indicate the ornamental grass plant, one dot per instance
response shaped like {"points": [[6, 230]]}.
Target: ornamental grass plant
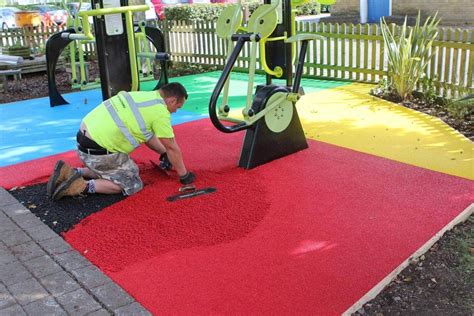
{"points": [[409, 53]]}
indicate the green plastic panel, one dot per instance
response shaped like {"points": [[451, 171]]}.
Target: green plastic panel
{"points": [[280, 116]]}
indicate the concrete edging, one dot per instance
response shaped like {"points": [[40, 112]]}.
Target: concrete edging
{"points": [[422, 250], [40, 273]]}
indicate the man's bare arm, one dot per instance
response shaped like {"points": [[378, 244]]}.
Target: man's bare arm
{"points": [[154, 144], [174, 155]]}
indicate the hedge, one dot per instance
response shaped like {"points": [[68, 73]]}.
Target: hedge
{"points": [[194, 12]]}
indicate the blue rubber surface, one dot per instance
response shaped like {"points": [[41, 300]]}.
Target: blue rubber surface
{"points": [[32, 129]]}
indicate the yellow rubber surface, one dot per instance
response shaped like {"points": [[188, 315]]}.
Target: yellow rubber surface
{"points": [[348, 116]]}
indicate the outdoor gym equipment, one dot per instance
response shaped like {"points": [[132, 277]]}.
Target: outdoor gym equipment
{"points": [[79, 67], [272, 125], [79, 79], [118, 62]]}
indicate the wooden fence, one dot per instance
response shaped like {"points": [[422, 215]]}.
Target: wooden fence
{"points": [[35, 38], [348, 52]]}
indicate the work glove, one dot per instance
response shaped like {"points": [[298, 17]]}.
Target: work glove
{"points": [[165, 163], [188, 178]]}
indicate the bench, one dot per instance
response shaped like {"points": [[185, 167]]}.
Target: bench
{"points": [[9, 66]]}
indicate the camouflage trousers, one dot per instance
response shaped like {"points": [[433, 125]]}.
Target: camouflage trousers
{"points": [[116, 167]]}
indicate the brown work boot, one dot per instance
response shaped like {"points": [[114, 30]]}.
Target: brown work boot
{"points": [[61, 172], [72, 186]]}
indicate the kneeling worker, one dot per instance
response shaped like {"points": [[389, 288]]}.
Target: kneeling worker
{"points": [[110, 132]]}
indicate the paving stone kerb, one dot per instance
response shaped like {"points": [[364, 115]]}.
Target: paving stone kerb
{"points": [[41, 273]]}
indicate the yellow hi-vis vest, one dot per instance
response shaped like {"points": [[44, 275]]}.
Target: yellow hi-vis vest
{"points": [[123, 122]]}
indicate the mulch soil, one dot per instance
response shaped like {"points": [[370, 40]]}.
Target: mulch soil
{"points": [[438, 283], [33, 85], [465, 127], [61, 215]]}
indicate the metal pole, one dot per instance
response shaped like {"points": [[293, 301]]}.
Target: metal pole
{"points": [[363, 11]]}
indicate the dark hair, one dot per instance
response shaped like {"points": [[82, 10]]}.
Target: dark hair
{"points": [[174, 89]]}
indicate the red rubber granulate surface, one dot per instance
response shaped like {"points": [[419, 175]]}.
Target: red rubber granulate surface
{"points": [[146, 226], [33, 171], [306, 234]]}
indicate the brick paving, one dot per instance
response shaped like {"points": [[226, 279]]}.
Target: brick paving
{"points": [[40, 274]]}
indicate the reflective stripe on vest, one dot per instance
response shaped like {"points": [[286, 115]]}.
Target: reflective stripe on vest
{"points": [[136, 113], [118, 121], [138, 116]]}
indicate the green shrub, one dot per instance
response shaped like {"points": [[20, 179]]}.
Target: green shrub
{"points": [[409, 53], [177, 69], [429, 94], [312, 8], [327, 2], [462, 108], [194, 12], [384, 90], [325, 8], [251, 5], [211, 12]]}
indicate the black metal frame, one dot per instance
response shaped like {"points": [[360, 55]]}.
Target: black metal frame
{"points": [[57, 42], [241, 39], [54, 47]]}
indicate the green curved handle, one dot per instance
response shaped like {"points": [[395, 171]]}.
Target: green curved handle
{"points": [[304, 37]]}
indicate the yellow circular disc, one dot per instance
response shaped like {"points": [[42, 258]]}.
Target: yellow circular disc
{"points": [[263, 21], [229, 21], [280, 116]]}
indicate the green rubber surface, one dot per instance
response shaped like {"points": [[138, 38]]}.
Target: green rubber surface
{"points": [[200, 88]]}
